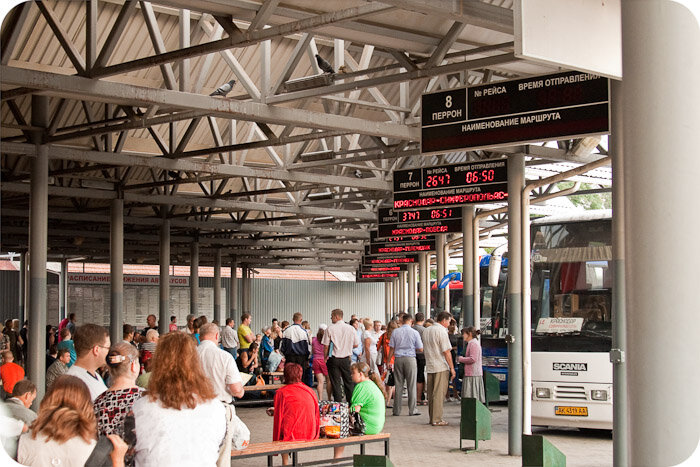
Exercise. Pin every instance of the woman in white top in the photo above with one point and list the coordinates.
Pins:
(65, 432)
(179, 421)
(369, 346)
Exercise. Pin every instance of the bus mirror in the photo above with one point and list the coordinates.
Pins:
(494, 270)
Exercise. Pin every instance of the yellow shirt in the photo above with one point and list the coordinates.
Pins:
(243, 331)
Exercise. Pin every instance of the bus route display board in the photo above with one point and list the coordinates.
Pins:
(557, 106)
(400, 245)
(389, 268)
(375, 276)
(451, 185)
(418, 222)
(389, 260)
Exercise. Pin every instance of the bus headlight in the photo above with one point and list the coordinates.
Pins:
(599, 395)
(543, 393)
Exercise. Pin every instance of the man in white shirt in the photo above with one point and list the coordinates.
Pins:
(91, 345)
(439, 365)
(344, 339)
(219, 365)
(229, 338)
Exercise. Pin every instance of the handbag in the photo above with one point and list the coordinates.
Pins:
(379, 359)
(357, 424)
(237, 437)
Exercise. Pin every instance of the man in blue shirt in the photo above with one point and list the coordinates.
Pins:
(404, 343)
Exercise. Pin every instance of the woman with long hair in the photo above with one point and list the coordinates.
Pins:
(472, 384)
(318, 363)
(114, 405)
(383, 347)
(65, 431)
(179, 421)
(295, 411)
(369, 346)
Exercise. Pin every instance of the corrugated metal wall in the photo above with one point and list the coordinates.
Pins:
(271, 298)
(314, 299)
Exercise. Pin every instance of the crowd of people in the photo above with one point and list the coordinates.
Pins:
(153, 399)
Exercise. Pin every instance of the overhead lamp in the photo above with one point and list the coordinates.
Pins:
(317, 156)
(323, 220)
(320, 196)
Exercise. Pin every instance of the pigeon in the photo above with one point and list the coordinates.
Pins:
(224, 89)
(324, 65)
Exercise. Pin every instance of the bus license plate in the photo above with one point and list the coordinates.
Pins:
(571, 411)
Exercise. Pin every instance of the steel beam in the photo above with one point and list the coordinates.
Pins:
(76, 87)
(243, 39)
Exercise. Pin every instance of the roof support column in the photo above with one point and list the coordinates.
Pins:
(164, 284)
(22, 286)
(218, 310)
(412, 268)
(245, 292)
(63, 291)
(402, 291)
(38, 246)
(194, 276)
(116, 269)
(440, 269)
(516, 183)
(387, 301)
(619, 318)
(475, 272)
(233, 290)
(467, 266)
(424, 283)
(395, 296)
(446, 269)
(661, 117)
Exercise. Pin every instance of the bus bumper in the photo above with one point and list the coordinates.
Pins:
(558, 412)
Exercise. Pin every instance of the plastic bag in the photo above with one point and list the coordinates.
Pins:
(335, 419)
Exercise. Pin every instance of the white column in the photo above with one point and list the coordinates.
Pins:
(661, 98)
(194, 277)
(164, 285)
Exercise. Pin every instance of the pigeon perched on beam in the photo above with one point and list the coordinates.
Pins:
(224, 89)
(324, 65)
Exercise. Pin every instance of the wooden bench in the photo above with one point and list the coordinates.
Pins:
(265, 387)
(253, 391)
(272, 448)
(275, 376)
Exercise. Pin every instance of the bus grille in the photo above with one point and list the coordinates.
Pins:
(570, 392)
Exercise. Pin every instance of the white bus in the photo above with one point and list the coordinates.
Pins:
(571, 321)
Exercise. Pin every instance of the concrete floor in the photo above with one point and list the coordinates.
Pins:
(415, 443)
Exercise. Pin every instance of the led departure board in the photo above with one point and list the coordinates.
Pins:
(389, 268)
(451, 185)
(400, 245)
(418, 222)
(562, 105)
(376, 276)
(392, 259)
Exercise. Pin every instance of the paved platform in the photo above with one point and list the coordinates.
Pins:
(415, 443)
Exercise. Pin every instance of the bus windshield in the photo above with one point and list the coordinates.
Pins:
(572, 278)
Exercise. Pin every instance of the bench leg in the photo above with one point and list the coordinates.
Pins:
(294, 459)
(362, 449)
(269, 460)
(386, 449)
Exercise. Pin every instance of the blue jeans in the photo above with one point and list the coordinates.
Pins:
(233, 351)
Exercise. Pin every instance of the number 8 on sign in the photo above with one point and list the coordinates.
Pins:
(448, 101)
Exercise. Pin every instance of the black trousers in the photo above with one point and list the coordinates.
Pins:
(341, 378)
(303, 361)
